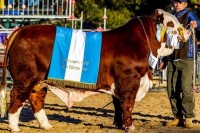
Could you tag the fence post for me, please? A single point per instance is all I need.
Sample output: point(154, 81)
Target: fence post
point(104, 17)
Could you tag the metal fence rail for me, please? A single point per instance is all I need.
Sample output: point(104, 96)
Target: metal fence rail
point(44, 8)
point(13, 11)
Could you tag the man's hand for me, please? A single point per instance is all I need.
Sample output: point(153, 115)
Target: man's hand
point(193, 24)
point(162, 66)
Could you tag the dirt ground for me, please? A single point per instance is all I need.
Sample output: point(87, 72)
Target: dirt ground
point(87, 116)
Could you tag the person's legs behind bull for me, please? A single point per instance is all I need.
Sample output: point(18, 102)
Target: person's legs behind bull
point(180, 92)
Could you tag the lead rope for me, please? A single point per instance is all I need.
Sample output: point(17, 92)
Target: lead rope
point(195, 87)
point(145, 33)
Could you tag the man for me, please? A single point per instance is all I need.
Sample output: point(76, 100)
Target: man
point(179, 70)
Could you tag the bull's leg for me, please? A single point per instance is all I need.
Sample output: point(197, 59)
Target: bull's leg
point(127, 89)
point(127, 104)
point(36, 100)
point(17, 100)
point(13, 119)
point(118, 112)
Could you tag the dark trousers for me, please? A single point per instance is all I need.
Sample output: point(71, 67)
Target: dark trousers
point(179, 87)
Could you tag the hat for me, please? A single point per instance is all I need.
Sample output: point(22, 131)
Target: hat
point(180, 0)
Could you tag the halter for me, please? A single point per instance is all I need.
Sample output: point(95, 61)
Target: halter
point(152, 59)
point(144, 32)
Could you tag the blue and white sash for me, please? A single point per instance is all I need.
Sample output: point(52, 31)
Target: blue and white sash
point(76, 56)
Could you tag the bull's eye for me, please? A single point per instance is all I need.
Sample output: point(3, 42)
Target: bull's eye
point(174, 32)
point(158, 19)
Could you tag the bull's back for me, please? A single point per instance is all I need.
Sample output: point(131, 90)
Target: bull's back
point(30, 53)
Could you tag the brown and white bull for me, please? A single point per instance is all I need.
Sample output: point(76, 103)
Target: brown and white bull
point(124, 70)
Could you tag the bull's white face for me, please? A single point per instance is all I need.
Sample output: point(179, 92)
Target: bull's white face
point(173, 30)
point(171, 21)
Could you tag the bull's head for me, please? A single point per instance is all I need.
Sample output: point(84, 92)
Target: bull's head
point(169, 31)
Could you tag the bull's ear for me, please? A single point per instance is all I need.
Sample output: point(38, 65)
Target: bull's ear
point(157, 17)
point(154, 15)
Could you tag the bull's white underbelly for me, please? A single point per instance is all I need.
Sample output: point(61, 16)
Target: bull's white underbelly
point(145, 84)
point(69, 96)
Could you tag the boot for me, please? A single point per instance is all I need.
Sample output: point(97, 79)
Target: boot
point(188, 123)
point(178, 121)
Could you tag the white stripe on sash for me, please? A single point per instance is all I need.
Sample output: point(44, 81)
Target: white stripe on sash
point(75, 56)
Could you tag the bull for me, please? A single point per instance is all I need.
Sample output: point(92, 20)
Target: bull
point(124, 69)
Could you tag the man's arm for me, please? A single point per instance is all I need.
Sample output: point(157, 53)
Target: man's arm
point(193, 20)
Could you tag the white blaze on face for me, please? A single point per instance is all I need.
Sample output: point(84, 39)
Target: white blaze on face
point(145, 84)
point(42, 119)
point(14, 120)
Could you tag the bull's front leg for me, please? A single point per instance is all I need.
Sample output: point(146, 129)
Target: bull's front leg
point(123, 111)
point(128, 88)
point(127, 103)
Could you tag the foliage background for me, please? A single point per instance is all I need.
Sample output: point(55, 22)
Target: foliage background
point(120, 11)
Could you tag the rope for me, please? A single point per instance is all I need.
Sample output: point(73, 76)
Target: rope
point(195, 87)
point(145, 32)
point(103, 107)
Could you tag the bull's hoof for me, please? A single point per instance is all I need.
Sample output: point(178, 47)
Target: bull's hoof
point(14, 130)
point(46, 126)
point(130, 129)
point(118, 125)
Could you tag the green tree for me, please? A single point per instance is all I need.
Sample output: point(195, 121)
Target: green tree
point(118, 11)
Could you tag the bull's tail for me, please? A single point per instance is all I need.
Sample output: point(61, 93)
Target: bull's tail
point(3, 98)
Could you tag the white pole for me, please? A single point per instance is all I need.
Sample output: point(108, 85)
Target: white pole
point(104, 17)
point(70, 7)
point(81, 26)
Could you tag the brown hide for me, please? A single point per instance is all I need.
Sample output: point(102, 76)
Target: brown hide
point(30, 54)
point(125, 52)
point(29, 59)
point(124, 60)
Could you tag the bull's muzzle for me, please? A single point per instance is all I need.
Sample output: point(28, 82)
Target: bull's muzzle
point(184, 33)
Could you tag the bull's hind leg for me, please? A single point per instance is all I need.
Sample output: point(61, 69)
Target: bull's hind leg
point(36, 100)
point(17, 100)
